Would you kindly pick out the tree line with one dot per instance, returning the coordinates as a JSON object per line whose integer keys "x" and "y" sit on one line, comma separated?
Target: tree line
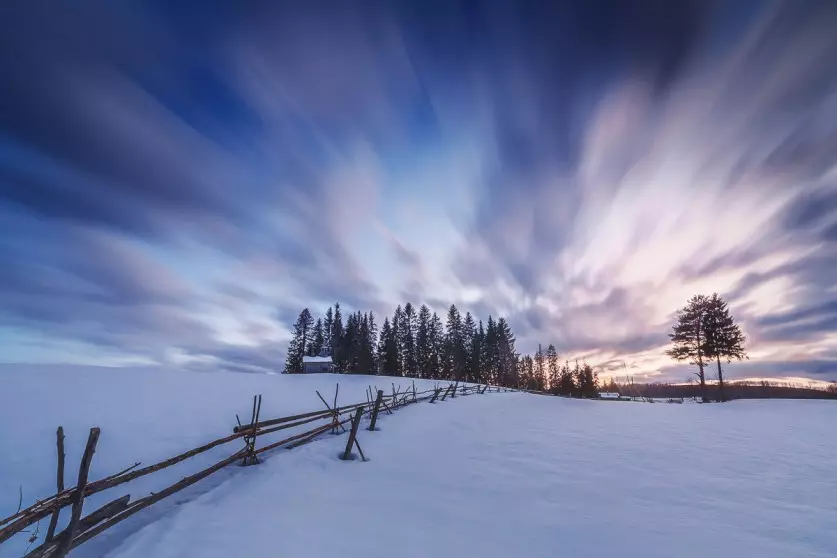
{"x": 544, "y": 372}
{"x": 706, "y": 331}
{"x": 413, "y": 342}
{"x": 416, "y": 343}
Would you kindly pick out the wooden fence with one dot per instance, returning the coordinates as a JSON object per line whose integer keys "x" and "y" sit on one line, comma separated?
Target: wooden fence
{"x": 81, "y": 529}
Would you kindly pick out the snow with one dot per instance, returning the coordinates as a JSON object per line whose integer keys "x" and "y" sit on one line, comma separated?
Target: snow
{"x": 505, "y": 474}
{"x": 317, "y": 359}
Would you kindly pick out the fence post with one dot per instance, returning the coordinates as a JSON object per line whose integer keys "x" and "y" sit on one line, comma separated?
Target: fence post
{"x": 455, "y": 387}
{"x": 375, "y": 409}
{"x": 53, "y": 521}
{"x": 250, "y": 457}
{"x": 435, "y": 395}
{"x": 447, "y": 391}
{"x": 352, "y": 434}
{"x": 78, "y": 498}
{"x": 414, "y": 391}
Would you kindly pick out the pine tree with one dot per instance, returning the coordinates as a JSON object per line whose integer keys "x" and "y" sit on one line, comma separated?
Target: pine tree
{"x": 527, "y": 373}
{"x": 507, "y": 357}
{"x": 469, "y": 329}
{"x": 303, "y": 329}
{"x": 539, "y": 374}
{"x": 553, "y": 368}
{"x": 424, "y": 347}
{"x": 723, "y": 337}
{"x": 490, "y": 353}
{"x": 328, "y": 329}
{"x": 388, "y": 350}
{"x": 371, "y": 343}
{"x": 407, "y": 332}
{"x": 397, "y": 324}
{"x": 317, "y": 340}
{"x": 455, "y": 353}
{"x": 476, "y": 359}
{"x": 566, "y": 383}
{"x": 689, "y": 338}
{"x": 337, "y": 341}
{"x": 586, "y": 381}
{"x": 437, "y": 342}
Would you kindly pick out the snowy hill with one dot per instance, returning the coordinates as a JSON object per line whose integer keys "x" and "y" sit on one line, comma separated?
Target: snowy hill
{"x": 508, "y": 474}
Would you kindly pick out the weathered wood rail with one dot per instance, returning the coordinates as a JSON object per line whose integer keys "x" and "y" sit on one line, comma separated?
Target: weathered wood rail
{"x": 81, "y": 529}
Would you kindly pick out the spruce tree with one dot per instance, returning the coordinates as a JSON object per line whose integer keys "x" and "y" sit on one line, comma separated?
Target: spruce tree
{"x": 455, "y": 353}
{"x": 408, "y": 341}
{"x": 506, "y": 355}
{"x": 437, "y": 343}
{"x": 468, "y": 331}
{"x": 476, "y": 359}
{"x": 566, "y": 383}
{"x": 723, "y": 337}
{"x": 397, "y": 324}
{"x": 424, "y": 347}
{"x": 328, "y": 329}
{"x": 490, "y": 353}
{"x": 689, "y": 338}
{"x": 553, "y": 368}
{"x": 303, "y": 329}
{"x": 337, "y": 341}
{"x": 388, "y": 350}
{"x": 317, "y": 340}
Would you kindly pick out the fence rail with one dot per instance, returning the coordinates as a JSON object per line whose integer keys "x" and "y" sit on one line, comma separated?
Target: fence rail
{"x": 81, "y": 529}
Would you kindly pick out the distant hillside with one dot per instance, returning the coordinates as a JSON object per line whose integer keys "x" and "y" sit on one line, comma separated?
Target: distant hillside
{"x": 736, "y": 390}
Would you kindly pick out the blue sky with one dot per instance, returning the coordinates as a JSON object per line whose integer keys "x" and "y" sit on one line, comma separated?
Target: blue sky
{"x": 177, "y": 183}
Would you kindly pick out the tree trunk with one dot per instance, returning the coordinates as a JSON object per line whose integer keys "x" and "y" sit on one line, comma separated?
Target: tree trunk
{"x": 702, "y": 376}
{"x": 720, "y": 380}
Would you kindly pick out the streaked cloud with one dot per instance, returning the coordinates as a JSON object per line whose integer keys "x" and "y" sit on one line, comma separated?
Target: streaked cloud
{"x": 175, "y": 185}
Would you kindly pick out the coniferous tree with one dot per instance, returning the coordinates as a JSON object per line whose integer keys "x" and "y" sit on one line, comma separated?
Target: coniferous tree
{"x": 506, "y": 355}
{"x": 476, "y": 358}
{"x": 337, "y": 341}
{"x": 539, "y": 373}
{"x": 328, "y": 329}
{"x": 437, "y": 344}
{"x": 317, "y": 340}
{"x": 455, "y": 353}
{"x": 566, "y": 382}
{"x": 468, "y": 332}
{"x": 424, "y": 343}
{"x": 527, "y": 373}
{"x": 409, "y": 355}
{"x": 303, "y": 330}
{"x": 689, "y": 338}
{"x": 723, "y": 337}
{"x": 490, "y": 353}
{"x": 371, "y": 343}
{"x": 586, "y": 381}
{"x": 397, "y": 324}
{"x": 388, "y": 350}
{"x": 553, "y": 368}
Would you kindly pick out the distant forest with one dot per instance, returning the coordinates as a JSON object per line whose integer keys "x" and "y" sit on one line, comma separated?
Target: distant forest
{"x": 734, "y": 390}
{"x": 418, "y": 344}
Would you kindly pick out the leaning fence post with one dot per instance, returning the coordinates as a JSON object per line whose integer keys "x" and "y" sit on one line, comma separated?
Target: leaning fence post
{"x": 352, "y": 434}
{"x": 455, "y": 387}
{"x": 53, "y": 521}
{"x": 435, "y": 395}
{"x": 250, "y": 457}
{"x": 447, "y": 391}
{"x": 78, "y": 497}
{"x": 376, "y": 408}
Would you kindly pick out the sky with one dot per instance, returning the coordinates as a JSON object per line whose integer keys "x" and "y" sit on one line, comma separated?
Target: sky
{"x": 178, "y": 180}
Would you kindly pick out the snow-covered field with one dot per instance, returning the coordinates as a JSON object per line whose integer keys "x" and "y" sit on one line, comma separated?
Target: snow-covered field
{"x": 507, "y": 474}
